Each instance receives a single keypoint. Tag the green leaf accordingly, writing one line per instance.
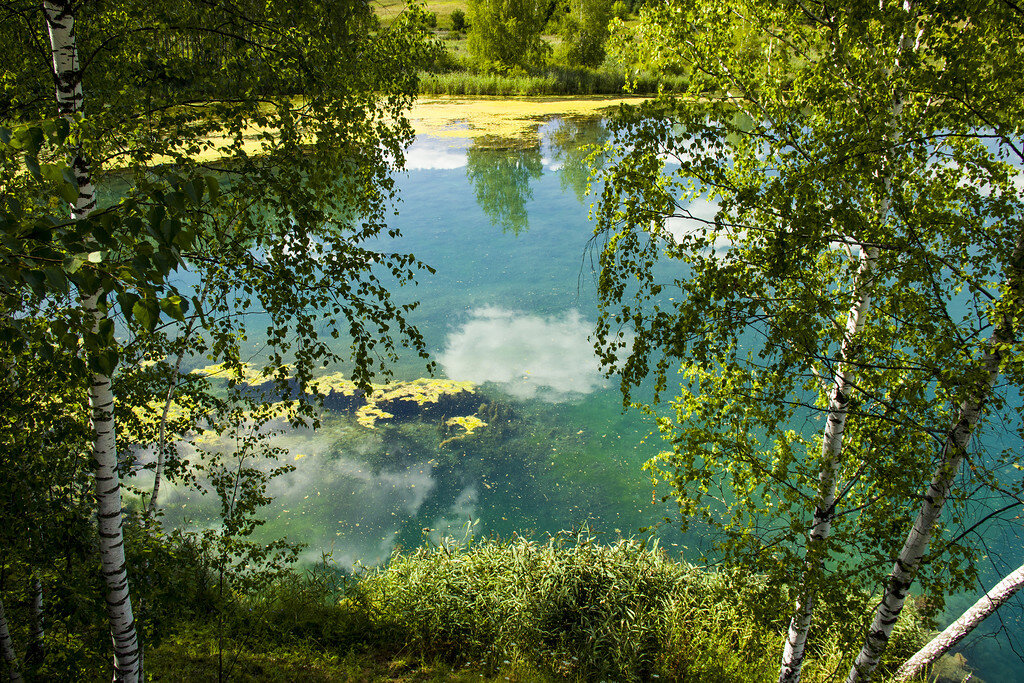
(104, 361)
(35, 279)
(174, 307)
(213, 187)
(68, 192)
(127, 301)
(175, 200)
(141, 314)
(56, 280)
(190, 191)
(32, 164)
(106, 331)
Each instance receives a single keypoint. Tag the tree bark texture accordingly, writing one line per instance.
(35, 651)
(959, 629)
(954, 450)
(60, 22)
(831, 457)
(7, 647)
(835, 425)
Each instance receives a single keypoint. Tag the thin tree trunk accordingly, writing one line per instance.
(831, 455)
(835, 425)
(7, 647)
(60, 22)
(161, 443)
(954, 450)
(908, 562)
(958, 630)
(37, 633)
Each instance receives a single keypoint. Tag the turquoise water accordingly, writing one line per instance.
(510, 308)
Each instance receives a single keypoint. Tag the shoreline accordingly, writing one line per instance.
(506, 118)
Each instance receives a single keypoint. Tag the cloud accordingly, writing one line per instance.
(428, 153)
(459, 521)
(528, 356)
(700, 210)
(333, 500)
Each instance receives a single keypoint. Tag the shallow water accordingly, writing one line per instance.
(510, 308)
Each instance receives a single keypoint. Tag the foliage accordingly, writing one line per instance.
(459, 20)
(553, 81)
(505, 35)
(583, 28)
(805, 174)
(585, 610)
(300, 106)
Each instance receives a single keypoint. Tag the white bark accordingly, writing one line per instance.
(161, 441)
(968, 621)
(37, 633)
(831, 457)
(835, 425)
(109, 515)
(7, 647)
(60, 22)
(908, 562)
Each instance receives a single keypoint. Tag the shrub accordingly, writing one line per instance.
(458, 20)
(506, 34)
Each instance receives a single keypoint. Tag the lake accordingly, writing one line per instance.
(510, 309)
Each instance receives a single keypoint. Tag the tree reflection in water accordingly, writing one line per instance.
(501, 171)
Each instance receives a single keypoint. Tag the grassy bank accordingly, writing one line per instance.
(581, 82)
(519, 611)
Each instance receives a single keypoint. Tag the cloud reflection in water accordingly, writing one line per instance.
(428, 153)
(527, 355)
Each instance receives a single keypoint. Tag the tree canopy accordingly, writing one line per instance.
(505, 35)
(823, 239)
(203, 166)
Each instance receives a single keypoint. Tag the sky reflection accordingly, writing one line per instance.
(526, 355)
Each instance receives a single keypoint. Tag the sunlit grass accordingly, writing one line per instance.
(551, 82)
(567, 609)
(387, 10)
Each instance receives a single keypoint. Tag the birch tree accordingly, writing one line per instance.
(60, 24)
(305, 184)
(793, 238)
(985, 607)
(7, 647)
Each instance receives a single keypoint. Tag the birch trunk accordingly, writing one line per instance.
(954, 449)
(835, 425)
(60, 23)
(958, 630)
(161, 442)
(34, 653)
(831, 456)
(7, 647)
(908, 562)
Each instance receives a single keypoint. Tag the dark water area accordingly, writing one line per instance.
(510, 309)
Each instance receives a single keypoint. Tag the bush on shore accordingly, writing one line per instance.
(565, 609)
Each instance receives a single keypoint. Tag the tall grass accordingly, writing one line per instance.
(588, 611)
(549, 82)
(564, 609)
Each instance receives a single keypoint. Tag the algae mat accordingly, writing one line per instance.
(500, 121)
(507, 118)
